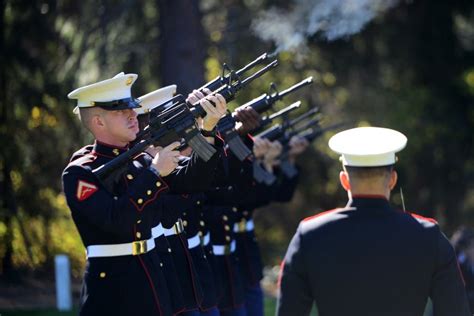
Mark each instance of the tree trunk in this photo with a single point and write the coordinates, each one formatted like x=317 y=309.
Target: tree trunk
x=183 y=44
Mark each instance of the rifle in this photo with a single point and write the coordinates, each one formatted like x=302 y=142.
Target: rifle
x=229 y=90
x=174 y=120
x=227 y=78
x=267 y=120
x=226 y=125
x=310 y=134
x=177 y=131
x=276 y=132
x=266 y=101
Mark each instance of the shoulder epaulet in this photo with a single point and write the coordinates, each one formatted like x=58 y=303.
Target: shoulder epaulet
x=81 y=152
x=321 y=214
x=84 y=160
x=429 y=219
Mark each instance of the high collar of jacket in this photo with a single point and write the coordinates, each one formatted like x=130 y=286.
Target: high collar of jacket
x=379 y=202
x=107 y=150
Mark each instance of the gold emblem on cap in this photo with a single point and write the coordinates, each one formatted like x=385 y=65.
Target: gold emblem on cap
x=129 y=81
x=116 y=152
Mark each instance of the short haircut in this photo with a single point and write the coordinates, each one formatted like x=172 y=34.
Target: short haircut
x=86 y=115
x=368 y=173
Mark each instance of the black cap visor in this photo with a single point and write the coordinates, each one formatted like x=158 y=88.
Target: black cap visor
x=121 y=104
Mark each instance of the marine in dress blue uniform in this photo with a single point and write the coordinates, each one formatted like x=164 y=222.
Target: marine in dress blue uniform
x=369 y=258
x=114 y=222
x=180 y=224
x=163 y=248
x=221 y=216
x=123 y=274
x=260 y=195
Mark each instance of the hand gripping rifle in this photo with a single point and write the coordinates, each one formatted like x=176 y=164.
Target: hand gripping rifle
x=259 y=173
x=226 y=125
x=226 y=85
x=183 y=129
x=278 y=132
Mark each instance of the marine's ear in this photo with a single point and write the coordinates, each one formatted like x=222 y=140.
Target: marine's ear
x=393 y=180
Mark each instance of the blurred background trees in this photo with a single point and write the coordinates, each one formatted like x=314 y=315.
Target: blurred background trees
x=411 y=69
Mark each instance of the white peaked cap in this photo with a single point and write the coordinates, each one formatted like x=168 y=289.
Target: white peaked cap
x=368 y=146
x=155 y=98
x=116 y=88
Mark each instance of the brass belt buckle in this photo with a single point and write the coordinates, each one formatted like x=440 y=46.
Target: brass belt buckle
x=178 y=226
x=139 y=247
x=201 y=239
x=242 y=225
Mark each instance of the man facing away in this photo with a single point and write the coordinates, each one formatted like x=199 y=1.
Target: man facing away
x=368 y=258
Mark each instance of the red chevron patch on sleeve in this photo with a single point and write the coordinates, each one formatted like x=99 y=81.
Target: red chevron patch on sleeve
x=85 y=190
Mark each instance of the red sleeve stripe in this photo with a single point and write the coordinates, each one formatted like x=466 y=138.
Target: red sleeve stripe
x=282 y=266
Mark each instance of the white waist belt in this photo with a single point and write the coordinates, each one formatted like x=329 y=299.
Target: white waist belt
x=249 y=226
x=194 y=241
x=206 y=239
x=220 y=250
x=132 y=248
x=157 y=231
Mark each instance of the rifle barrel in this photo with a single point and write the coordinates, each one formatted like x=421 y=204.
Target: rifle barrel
x=219 y=81
x=260 y=59
x=258 y=74
x=285 y=110
x=302 y=117
x=305 y=82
